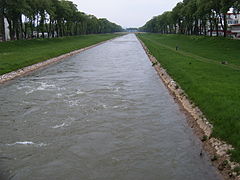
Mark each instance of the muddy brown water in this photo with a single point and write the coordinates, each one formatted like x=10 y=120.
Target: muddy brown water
x=102 y=114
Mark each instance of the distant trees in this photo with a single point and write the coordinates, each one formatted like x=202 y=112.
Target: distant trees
x=193 y=17
x=49 y=18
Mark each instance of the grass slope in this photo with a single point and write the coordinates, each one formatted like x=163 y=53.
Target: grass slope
x=214 y=87
x=18 y=54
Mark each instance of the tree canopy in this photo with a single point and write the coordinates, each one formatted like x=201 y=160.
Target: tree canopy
x=193 y=17
x=49 y=18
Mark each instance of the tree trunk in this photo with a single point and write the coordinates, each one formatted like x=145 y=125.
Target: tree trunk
x=211 y=27
x=204 y=28
x=25 y=30
x=50 y=28
x=196 y=28
x=221 y=21
x=2 y=20
x=200 y=30
x=21 y=27
x=37 y=26
x=179 y=27
x=57 y=28
x=16 y=27
x=11 y=29
x=31 y=27
x=54 y=29
x=63 y=29
x=225 y=25
x=217 y=28
x=42 y=29
x=3 y=26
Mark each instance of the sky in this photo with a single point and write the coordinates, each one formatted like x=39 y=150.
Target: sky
x=127 y=13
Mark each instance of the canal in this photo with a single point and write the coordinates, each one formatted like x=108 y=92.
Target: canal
x=103 y=114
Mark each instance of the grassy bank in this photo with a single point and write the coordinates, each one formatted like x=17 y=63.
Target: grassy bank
x=213 y=86
x=18 y=54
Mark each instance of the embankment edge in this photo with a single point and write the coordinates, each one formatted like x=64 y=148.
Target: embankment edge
x=26 y=70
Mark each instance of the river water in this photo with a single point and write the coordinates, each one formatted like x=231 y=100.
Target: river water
x=103 y=114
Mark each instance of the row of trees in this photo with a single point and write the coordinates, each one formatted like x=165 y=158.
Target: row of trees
x=51 y=18
x=194 y=17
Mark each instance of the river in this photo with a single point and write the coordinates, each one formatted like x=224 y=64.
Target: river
x=103 y=114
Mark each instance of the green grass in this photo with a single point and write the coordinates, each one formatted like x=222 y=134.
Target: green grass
x=18 y=54
x=212 y=86
x=215 y=48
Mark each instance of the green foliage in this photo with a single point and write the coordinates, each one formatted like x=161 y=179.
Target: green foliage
x=54 y=17
x=212 y=86
x=18 y=54
x=193 y=17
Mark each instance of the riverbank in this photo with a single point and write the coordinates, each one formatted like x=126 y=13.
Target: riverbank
x=21 y=57
x=18 y=54
x=169 y=59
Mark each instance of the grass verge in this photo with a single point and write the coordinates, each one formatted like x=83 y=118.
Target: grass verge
x=18 y=54
x=212 y=86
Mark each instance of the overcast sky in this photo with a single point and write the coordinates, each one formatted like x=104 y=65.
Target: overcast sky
x=127 y=13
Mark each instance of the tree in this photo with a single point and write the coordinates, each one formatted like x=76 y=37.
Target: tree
x=225 y=6
x=193 y=17
x=13 y=12
x=56 y=17
x=177 y=17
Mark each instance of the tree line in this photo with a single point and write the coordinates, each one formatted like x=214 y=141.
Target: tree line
x=194 y=17
x=49 y=18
